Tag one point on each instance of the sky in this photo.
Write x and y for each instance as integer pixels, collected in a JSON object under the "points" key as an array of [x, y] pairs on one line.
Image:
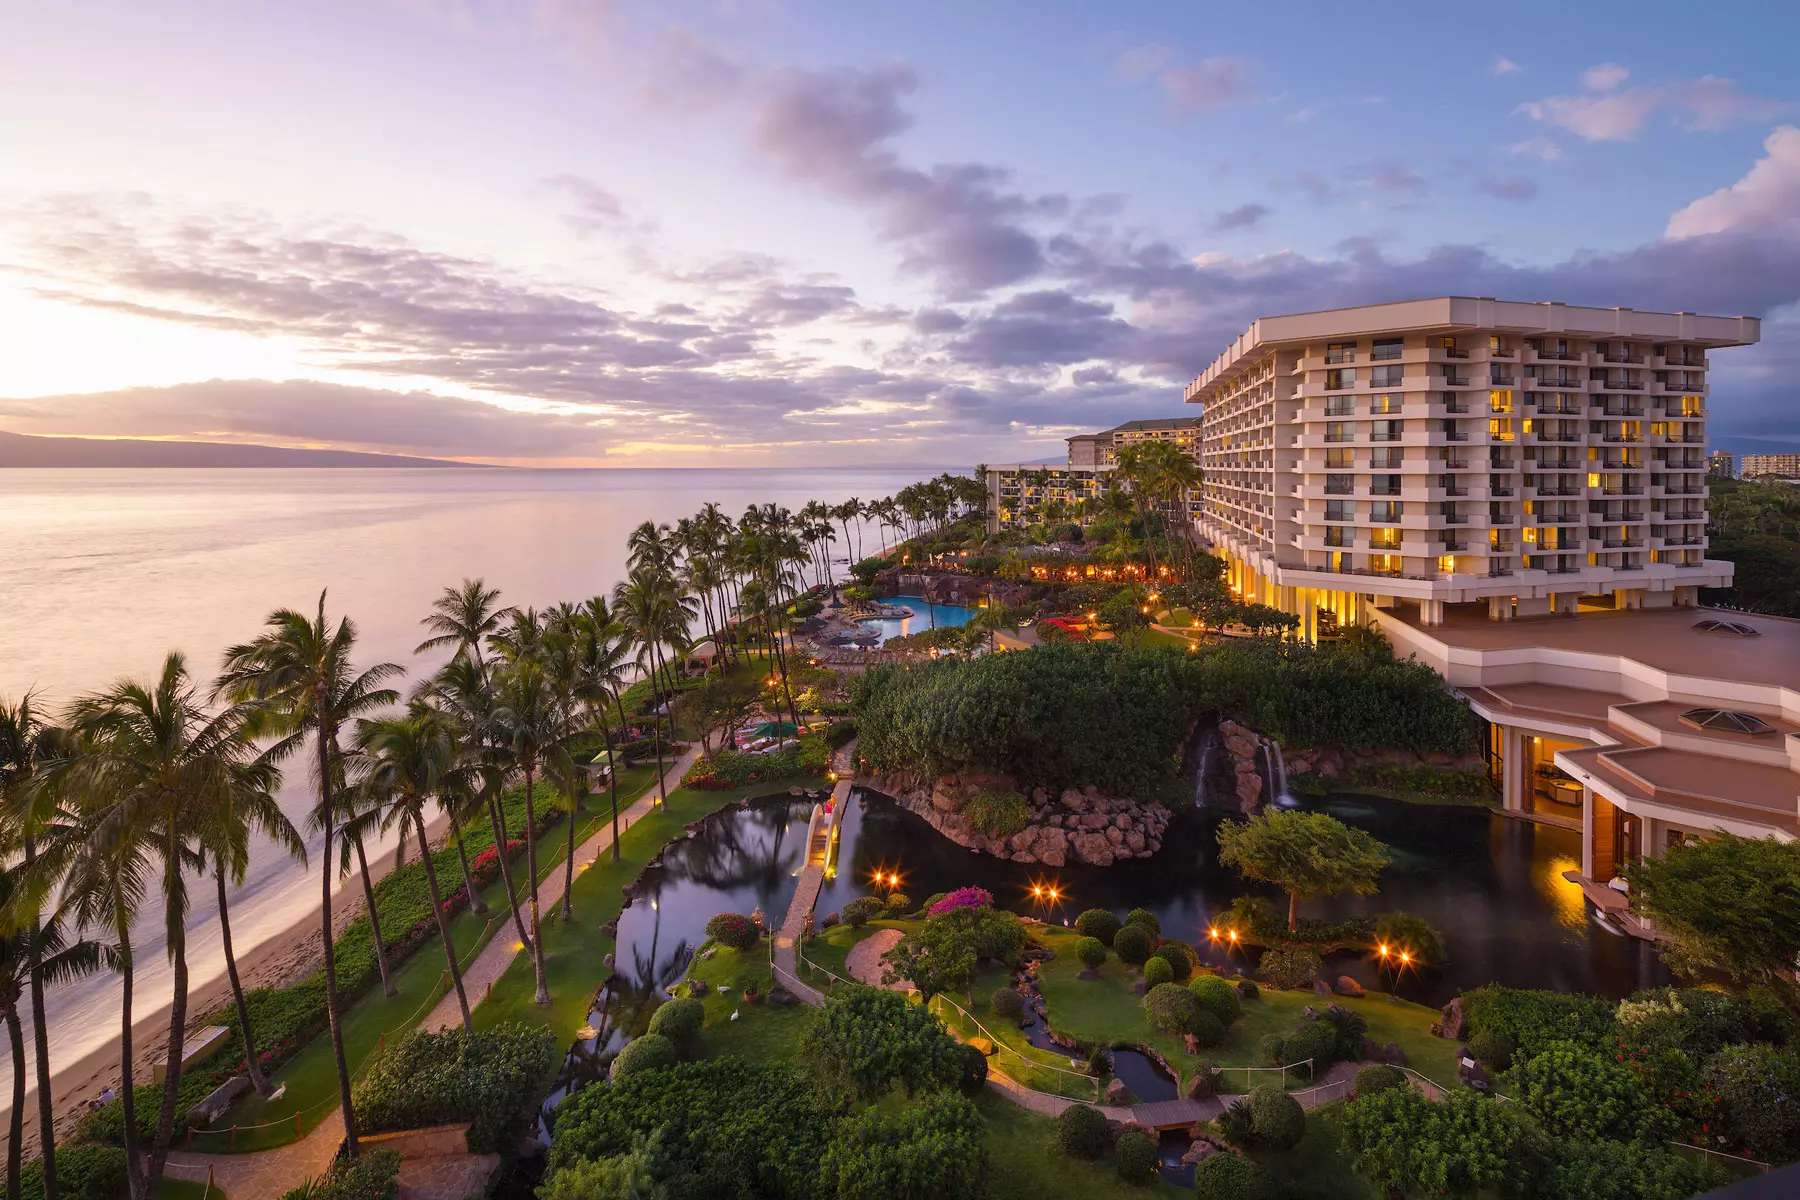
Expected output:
{"points": [[762, 232]]}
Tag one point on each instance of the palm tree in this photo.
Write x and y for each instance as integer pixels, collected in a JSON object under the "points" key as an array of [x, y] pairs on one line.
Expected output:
{"points": [[656, 614], [355, 819], [32, 949], [464, 617], [299, 674], [27, 743], [526, 734], [406, 761], [603, 650], [152, 761], [463, 689], [226, 827]]}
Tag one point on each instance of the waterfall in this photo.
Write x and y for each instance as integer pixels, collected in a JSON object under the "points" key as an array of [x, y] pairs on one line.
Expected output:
{"points": [[1209, 746], [1277, 771]]}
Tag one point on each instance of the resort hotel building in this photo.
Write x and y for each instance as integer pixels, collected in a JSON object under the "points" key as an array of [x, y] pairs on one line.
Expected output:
{"points": [[1515, 494], [1020, 494], [1782, 466]]}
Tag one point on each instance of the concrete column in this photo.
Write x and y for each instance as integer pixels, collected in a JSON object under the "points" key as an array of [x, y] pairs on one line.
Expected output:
{"points": [[1431, 612], [1565, 603], [1587, 832], [1384, 603], [1630, 598], [1512, 768], [1687, 596], [1500, 608]]}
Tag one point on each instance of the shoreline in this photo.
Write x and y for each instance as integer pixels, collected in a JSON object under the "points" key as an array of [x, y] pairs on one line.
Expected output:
{"points": [[281, 959]]}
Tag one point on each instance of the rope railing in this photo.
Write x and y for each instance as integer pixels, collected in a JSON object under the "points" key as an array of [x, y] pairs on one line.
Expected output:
{"points": [[1762, 1168], [1281, 1069], [1061, 1077]]}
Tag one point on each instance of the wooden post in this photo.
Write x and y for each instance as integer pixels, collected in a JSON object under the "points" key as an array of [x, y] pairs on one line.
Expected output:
{"points": [[296, 1124]]}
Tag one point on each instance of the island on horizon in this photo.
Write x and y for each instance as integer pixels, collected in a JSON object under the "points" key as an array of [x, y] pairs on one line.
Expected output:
{"points": [[29, 450]]}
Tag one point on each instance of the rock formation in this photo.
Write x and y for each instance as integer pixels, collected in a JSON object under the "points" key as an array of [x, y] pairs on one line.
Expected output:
{"points": [[1079, 825]]}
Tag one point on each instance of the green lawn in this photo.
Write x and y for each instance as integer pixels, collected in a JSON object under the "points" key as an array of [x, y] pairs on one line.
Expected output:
{"points": [[763, 1032], [1106, 1010], [186, 1189], [1025, 1163], [832, 947], [311, 1075], [1318, 1168]]}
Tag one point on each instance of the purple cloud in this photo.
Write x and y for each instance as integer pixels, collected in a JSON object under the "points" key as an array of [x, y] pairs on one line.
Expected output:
{"points": [[1244, 216]]}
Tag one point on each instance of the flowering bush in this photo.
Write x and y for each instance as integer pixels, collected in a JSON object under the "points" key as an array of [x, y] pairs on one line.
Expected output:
{"points": [[1061, 629], [965, 897], [734, 930]]}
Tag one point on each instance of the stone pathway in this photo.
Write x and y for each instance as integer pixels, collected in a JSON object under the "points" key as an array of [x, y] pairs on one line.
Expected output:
{"points": [[863, 963], [266, 1172], [446, 1177], [480, 976]]}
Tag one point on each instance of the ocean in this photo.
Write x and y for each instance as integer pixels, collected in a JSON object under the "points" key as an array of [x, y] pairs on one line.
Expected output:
{"points": [[103, 572]]}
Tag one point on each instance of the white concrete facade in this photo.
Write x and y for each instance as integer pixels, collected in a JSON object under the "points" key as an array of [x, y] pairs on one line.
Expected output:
{"points": [[1460, 449]]}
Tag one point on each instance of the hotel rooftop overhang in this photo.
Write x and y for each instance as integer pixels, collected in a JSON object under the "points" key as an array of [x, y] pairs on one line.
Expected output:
{"points": [[1450, 314]]}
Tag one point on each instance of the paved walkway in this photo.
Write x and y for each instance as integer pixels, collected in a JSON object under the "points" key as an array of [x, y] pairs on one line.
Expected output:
{"points": [[480, 976], [266, 1172]]}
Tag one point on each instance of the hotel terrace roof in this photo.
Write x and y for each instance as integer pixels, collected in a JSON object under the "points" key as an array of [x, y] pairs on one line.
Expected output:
{"points": [[1449, 313]]}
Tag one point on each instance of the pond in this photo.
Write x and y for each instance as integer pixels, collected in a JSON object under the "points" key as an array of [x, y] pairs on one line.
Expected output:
{"points": [[925, 616], [1492, 885]]}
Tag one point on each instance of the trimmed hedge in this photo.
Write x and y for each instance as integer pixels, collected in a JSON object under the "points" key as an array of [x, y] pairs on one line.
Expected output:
{"points": [[370, 1177], [736, 768], [82, 1173], [1097, 923], [1083, 1132], [490, 1078]]}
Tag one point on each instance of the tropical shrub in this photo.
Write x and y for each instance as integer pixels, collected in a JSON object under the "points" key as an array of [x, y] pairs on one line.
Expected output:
{"points": [[1235, 1124], [1170, 1008], [1147, 919], [646, 1053], [861, 911], [679, 1020], [1227, 1176], [1277, 1121], [963, 897], [1135, 1156], [1378, 1078], [1295, 968], [1699, 1021], [839, 734], [1494, 1050], [1348, 1030], [1091, 951], [1532, 1019], [739, 768], [1407, 1145], [1207, 1029], [1157, 972], [899, 904], [974, 1069], [489, 1078], [1007, 1004], [1315, 1040], [727, 1127], [997, 814], [866, 1041], [369, 1177], [1099, 924], [1247, 990], [82, 1173], [1132, 945], [1083, 1132], [1758, 1087], [1584, 1094], [1217, 997], [934, 1148], [1180, 957], [734, 930], [1626, 1171]]}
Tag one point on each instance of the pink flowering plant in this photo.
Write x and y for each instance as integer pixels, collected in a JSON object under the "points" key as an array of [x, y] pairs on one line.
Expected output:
{"points": [[963, 897]]}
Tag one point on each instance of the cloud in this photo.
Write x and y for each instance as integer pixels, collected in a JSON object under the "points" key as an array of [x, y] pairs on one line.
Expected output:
{"points": [[963, 224], [1767, 198], [1504, 66], [1210, 84], [1608, 114], [1394, 179], [1542, 148], [1091, 375], [1040, 330], [1244, 216], [1142, 62], [1517, 188], [1315, 186]]}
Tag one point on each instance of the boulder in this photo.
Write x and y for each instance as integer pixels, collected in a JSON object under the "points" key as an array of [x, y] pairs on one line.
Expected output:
{"points": [[1140, 985], [1455, 1025], [1087, 973], [1054, 820], [1074, 800], [948, 798], [1347, 986], [1092, 848], [1114, 836], [1200, 1087], [1024, 856], [782, 998], [1024, 839], [1040, 796], [1094, 821], [1135, 840], [1122, 822], [1322, 988], [1393, 1054], [1117, 1093]]}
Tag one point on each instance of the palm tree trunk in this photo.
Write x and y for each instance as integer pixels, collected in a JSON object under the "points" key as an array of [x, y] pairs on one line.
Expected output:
{"points": [[252, 1067], [134, 1176], [177, 935], [362, 867], [1293, 912], [41, 1052], [477, 905], [537, 942], [15, 1033], [662, 791], [498, 817], [613, 776], [443, 924], [327, 736], [568, 903]]}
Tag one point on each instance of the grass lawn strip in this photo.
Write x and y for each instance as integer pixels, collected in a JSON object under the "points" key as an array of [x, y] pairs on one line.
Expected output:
{"points": [[763, 1032]]}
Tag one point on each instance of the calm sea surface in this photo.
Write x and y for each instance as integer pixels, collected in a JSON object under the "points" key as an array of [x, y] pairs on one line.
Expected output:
{"points": [[103, 572]]}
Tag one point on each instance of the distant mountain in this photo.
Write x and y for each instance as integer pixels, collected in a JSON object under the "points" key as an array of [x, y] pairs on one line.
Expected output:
{"points": [[25, 450]]}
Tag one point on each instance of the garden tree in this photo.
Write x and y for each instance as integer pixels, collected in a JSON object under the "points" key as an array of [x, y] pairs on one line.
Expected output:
{"points": [[1277, 1122], [651, 608], [1091, 952], [1305, 853], [1083, 1132], [865, 1041], [299, 677], [935, 960], [1404, 933], [644, 1053], [1407, 1145], [1582, 1093], [1133, 945], [405, 762], [462, 619], [529, 737], [1228, 1177], [357, 817], [634, 1175], [602, 649], [1125, 615], [1758, 1087], [932, 1148], [1097, 923], [37, 947], [1726, 904], [151, 764], [1171, 1008]]}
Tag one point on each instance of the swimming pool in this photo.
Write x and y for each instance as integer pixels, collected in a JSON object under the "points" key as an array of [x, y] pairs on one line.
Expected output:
{"points": [[925, 616]]}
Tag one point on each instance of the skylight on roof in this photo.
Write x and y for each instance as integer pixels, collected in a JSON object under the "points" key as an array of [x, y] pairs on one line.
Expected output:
{"points": [[1722, 720], [1720, 625]]}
